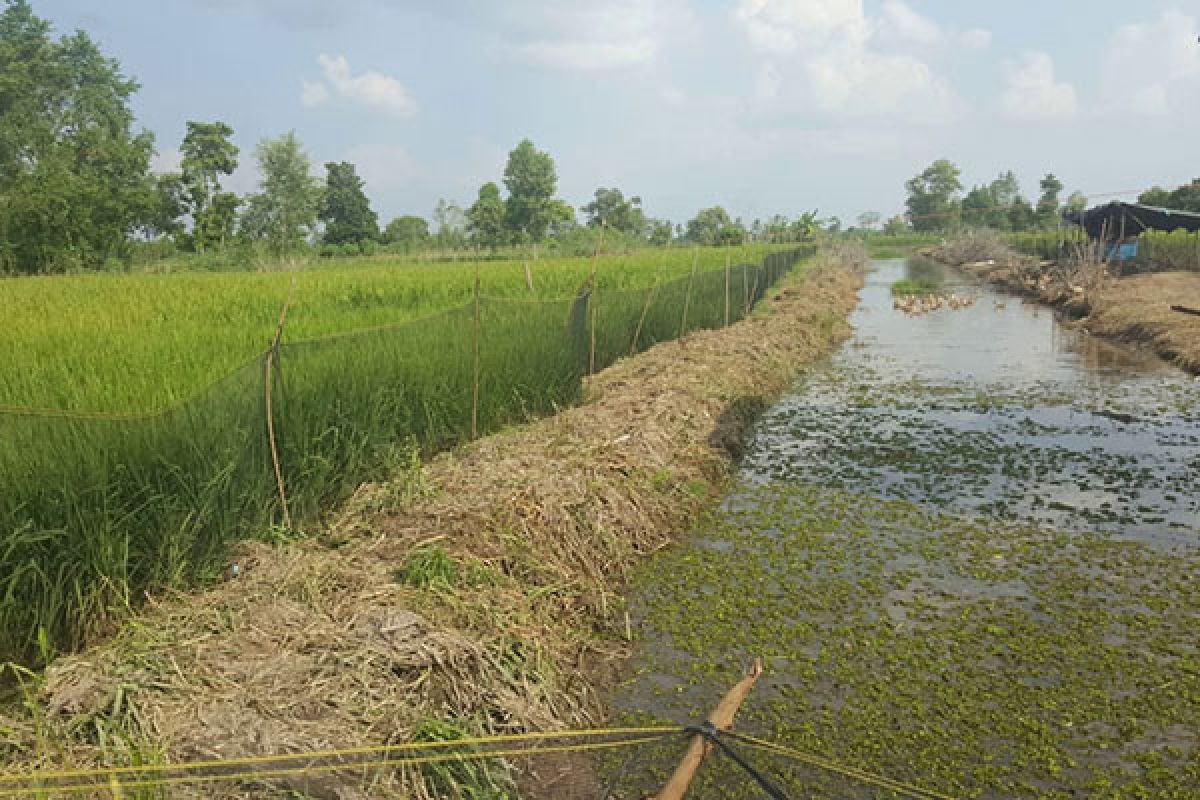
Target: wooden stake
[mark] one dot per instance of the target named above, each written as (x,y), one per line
(269,378)
(475,363)
(592,305)
(528,277)
(637,333)
(700,747)
(687,301)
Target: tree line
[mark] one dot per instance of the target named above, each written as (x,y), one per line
(77,190)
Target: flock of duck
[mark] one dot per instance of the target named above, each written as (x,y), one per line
(917,304)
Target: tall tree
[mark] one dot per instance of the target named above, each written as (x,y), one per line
(707,226)
(208,154)
(531,180)
(611,208)
(450,223)
(74,176)
(486,218)
(409,232)
(979,207)
(345,209)
(284,213)
(1076,202)
(933,201)
(1047,204)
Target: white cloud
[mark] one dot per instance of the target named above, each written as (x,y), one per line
(1033,91)
(586,36)
(1153,67)
(780,27)
(900,20)
(830,56)
(371,89)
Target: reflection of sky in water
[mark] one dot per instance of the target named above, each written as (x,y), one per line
(996,409)
(1000,338)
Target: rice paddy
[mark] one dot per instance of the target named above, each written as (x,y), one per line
(153,442)
(967,552)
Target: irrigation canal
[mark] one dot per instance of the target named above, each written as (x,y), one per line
(967,548)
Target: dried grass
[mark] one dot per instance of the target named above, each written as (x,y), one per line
(323,644)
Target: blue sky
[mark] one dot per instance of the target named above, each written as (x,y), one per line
(763,106)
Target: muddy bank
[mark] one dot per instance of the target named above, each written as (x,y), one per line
(479,593)
(1134,309)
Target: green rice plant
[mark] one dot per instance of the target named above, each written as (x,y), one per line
(97,509)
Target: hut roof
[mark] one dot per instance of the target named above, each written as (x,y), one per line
(1126,220)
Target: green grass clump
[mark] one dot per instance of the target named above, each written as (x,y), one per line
(906,287)
(118,496)
(429,568)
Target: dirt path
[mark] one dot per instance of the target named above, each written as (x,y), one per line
(1134,308)
(482,592)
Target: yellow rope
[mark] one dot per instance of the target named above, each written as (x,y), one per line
(308,770)
(323,754)
(862,776)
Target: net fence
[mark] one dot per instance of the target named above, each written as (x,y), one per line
(97,509)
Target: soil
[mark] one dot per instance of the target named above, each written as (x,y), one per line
(349,638)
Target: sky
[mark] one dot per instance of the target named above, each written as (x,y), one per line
(761,106)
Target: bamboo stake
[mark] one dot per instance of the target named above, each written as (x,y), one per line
(687,301)
(475,363)
(592,304)
(745,290)
(268,378)
(528,277)
(700,747)
(637,333)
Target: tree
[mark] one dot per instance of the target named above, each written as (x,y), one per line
(451,224)
(74,177)
(486,217)
(169,206)
(896,226)
(804,228)
(531,180)
(409,232)
(1184,198)
(869,220)
(345,209)
(933,203)
(284,213)
(207,155)
(659,232)
(1021,215)
(706,226)
(1158,197)
(979,207)
(1076,202)
(611,207)
(1047,204)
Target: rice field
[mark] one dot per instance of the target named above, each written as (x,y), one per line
(133,343)
(136,423)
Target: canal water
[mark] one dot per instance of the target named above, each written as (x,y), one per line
(968,551)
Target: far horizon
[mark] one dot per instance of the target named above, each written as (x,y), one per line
(762,106)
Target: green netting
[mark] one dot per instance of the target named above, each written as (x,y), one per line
(97,509)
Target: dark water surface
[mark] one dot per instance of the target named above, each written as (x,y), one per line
(968,549)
